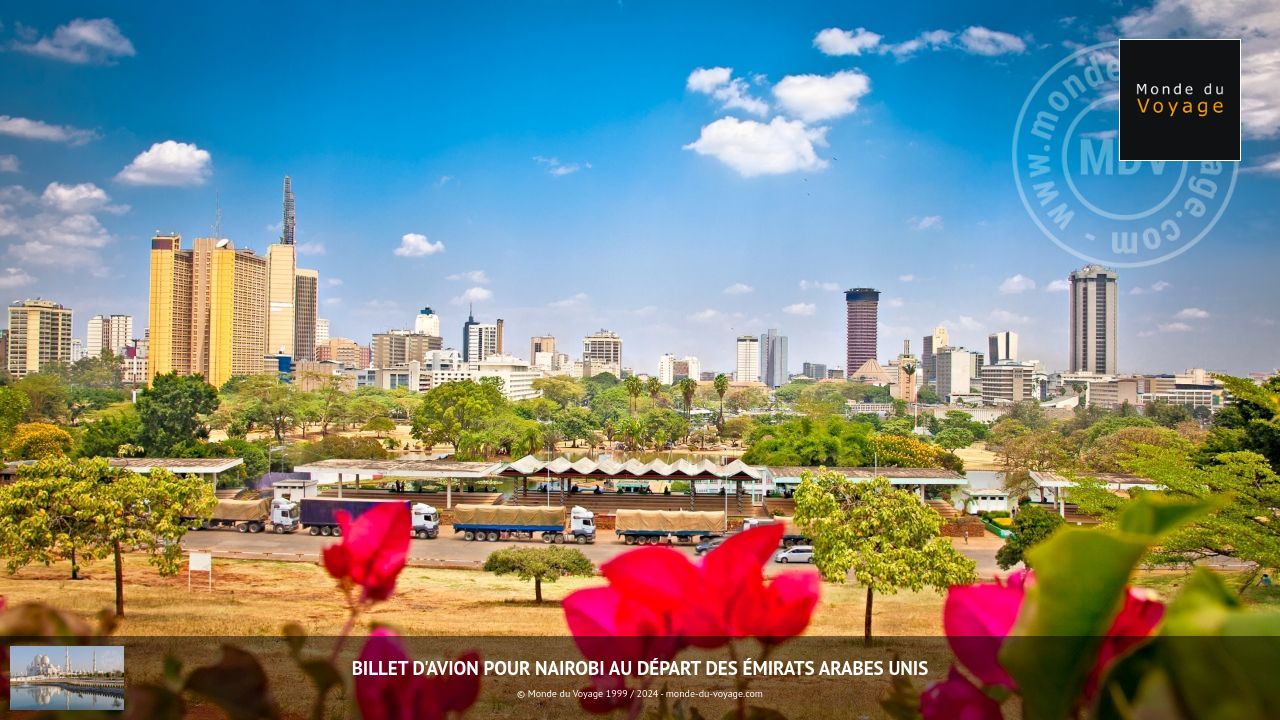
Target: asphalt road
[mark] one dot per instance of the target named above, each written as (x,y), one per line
(451,550)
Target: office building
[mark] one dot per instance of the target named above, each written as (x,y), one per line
(95,338)
(480,340)
(1009,382)
(427,322)
(817,371)
(516,375)
(305,301)
(1093,328)
(208,309)
(931,343)
(773,359)
(282,271)
(954,368)
(686,367)
(542,352)
(747,359)
(396,347)
(602,351)
(108,332)
(1002,347)
(862,313)
(344,351)
(322,331)
(39,337)
(667,369)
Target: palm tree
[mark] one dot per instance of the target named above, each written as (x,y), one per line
(688,388)
(633,387)
(654,386)
(910,370)
(721,384)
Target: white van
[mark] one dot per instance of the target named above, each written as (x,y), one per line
(795,554)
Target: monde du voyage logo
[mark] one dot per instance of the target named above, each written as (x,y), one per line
(1132,167)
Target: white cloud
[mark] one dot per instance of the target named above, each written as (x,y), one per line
(60,228)
(311,248)
(983,41)
(1058,285)
(28,129)
(739,289)
(753,148)
(1017,284)
(706,315)
(471,276)
(14,278)
(645,311)
(9,163)
(573,301)
(1157,286)
(834,41)
(800,309)
(907,278)
(557,168)
(332,282)
(821,97)
(965,322)
(443,180)
(733,93)
(1256,22)
(168,163)
(331,301)
(417,245)
(928,222)
(894,302)
(932,39)
(817,285)
(473,294)
(1005,317)
(1192,313)
(1266,165)
(82,41)
(1174,327)
(85,197)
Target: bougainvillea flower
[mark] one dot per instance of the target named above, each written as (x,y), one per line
(957,699)
(608,626)
(787,606)
(1135,622)
(977,618)
(424,697)
(373,550)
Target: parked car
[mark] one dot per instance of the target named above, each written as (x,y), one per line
(795,554)
(707,546)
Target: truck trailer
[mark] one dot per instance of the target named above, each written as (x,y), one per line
(650,527)
(791,535)
(320,515)
(513,522)
(253,515)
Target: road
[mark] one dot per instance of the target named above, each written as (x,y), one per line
(451,550)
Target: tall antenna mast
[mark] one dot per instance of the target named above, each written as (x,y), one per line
(290,216)
(217,215)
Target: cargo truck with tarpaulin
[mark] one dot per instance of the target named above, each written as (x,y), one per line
(252,515)
(320,515)
(512,522)
(650,527)
(791,535)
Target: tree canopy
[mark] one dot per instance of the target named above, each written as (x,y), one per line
(539,564)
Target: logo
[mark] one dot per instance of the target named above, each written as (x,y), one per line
(1082,196)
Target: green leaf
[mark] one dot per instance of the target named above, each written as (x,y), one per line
(172,671)
(1153,515)
(1156,699)
(237,684)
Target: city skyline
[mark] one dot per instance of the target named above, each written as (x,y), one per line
(456,197)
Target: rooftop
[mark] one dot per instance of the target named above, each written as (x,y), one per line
(403,468)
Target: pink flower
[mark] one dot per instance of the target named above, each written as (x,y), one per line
(373,550)
(957,699)
(1135,622)
(977,618)
(425,697)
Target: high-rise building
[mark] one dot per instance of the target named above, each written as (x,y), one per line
(39,337)
(954,367)
(862,313)
(603,351)
(114,333)
(396,347)
(667,369)
(1002,347)
(282,271)
(817,371)
(322,331)
(773,359)
(306,290)
(686,367)
(747,359)
(208,309)
(96,335)
(480,340)
(542,352)
(427,322)
(344,351)
(931,343)
(1008,382)
(1093,320)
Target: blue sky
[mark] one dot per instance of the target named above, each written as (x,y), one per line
(568,168)
(109,657)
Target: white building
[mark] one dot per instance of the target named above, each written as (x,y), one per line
(427,323)
(602,350)
(747,363)
(954,368)
(133,370)
(1009,382)
(1094,295)
(483,340)
(1002,347)
(322,332)
(516,375)
(667,369)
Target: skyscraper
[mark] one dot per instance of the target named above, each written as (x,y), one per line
(1093,320)
(290,221)
(542,352)
(400,346)
(306,288)
(322,331)
(480,340)
(930,344)
(113,333)
(39,336)
(862,312)
(427,322)
(773,359)
(747,359)
(603,351)
(1002,347)
(208,309)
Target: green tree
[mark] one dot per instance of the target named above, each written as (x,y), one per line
(37,440)
(953,438)
(634,387)
(47,396)
(380,425)
(654,387)
(1031,526)
(1252,420)
(610,404)
(331,401)
(172,412)
(688,388)
(449,410)
(564,391)
(115,429)
(927,396)
(540,564)
(721,384)
(882,535)
(270,403)
(13,410)
(574,424)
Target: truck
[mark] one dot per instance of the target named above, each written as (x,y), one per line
(513,522)
(650,527)
(253,515)
(790,537)
(320,515)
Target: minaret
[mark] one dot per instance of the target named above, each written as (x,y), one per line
(95,662)
(66,661)
(290,216)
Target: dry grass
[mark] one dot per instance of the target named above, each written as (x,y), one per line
(978,457)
